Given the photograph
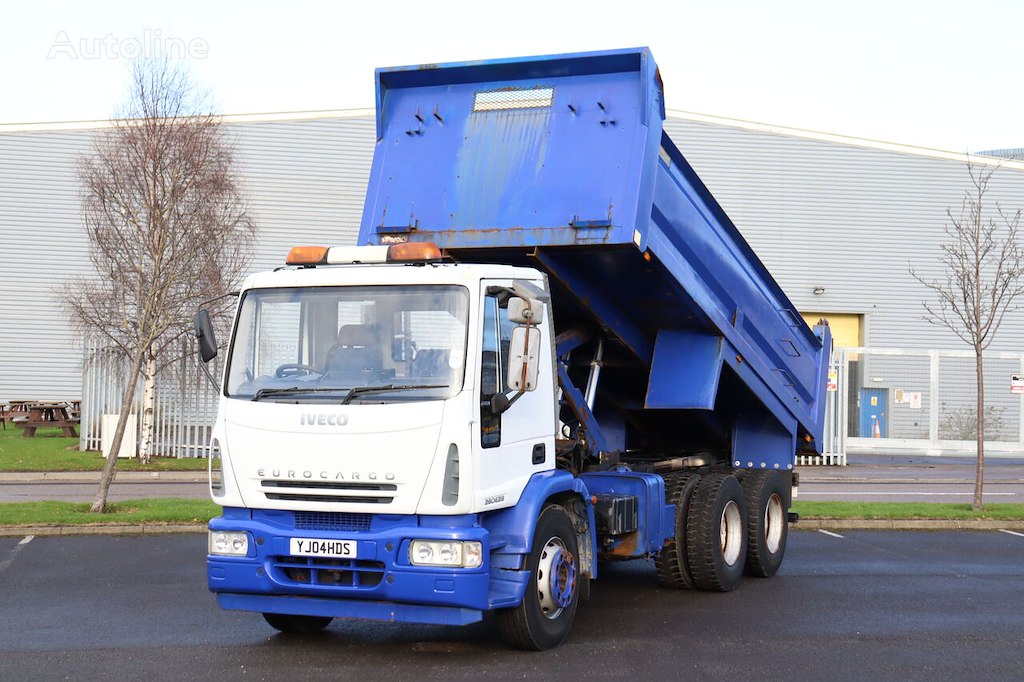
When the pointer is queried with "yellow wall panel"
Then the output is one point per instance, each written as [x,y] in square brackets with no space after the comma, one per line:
[845,327]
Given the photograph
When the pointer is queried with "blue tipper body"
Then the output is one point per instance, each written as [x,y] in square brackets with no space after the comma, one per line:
[561,163]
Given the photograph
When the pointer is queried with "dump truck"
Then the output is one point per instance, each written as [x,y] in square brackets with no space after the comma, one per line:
[549,349]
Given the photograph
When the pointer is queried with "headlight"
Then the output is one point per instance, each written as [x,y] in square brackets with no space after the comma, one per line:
[229,543]
[467,554]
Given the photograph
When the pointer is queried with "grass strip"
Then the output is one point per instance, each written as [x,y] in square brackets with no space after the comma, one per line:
[49,450]
[819,509]
[163,510]
[175,510]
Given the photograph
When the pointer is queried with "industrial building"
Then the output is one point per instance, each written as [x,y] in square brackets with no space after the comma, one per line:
[839,221]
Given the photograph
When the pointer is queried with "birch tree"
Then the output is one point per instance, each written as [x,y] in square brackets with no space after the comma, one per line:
[167,224]
[984,263]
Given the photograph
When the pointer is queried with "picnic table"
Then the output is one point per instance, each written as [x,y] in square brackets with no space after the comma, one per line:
[47,415]
[14,412]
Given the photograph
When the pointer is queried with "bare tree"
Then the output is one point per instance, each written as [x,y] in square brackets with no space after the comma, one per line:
[167,224]
[984,262]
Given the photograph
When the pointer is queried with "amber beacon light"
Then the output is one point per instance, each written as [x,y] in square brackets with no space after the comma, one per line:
[411,252]
[307,255]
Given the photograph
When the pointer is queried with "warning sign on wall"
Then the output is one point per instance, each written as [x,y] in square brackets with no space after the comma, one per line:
[1016,383]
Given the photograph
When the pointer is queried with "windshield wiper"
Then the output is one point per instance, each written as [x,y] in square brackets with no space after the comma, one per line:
[294,389]
[352,392]
[359,390]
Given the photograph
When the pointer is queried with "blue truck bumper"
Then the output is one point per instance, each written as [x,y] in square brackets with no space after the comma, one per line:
[340,608]
[378,583]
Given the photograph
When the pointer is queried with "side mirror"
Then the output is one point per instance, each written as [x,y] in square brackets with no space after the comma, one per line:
[204,335]
[523,310]
[524,351]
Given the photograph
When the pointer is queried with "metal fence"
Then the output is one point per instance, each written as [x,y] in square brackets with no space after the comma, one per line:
[185,402]
[901,401]
[880,400]
[833,449]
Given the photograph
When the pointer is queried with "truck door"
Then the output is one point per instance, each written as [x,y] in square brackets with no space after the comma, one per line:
[512,446]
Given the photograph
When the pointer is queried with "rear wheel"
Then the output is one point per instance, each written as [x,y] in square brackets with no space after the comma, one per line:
[302,624]
[671,562]
[545,616]
[768,526]
[716,528]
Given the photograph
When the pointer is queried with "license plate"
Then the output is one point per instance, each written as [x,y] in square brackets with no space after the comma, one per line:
[341,549]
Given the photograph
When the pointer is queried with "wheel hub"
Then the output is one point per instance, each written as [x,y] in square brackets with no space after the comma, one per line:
[556,578]
[731,530]
[774,523]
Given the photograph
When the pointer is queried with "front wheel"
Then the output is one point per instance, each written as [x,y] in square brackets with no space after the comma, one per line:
[545,616]
[301,624]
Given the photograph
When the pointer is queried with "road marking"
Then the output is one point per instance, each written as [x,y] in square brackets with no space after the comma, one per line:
[804,493]
[14,552]
[1011,532]
[828,532]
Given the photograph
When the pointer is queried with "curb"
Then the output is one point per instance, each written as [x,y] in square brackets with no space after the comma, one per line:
[907,524]
[805,524]
[903,481]
[97,529]
[94,477]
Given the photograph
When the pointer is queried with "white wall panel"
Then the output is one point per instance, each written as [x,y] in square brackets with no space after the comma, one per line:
[844,216]
[304,180]
[850,218]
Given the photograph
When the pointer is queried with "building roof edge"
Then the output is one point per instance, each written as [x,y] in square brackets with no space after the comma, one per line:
[773,129]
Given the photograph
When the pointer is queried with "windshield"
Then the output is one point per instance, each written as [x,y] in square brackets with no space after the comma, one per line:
[350,344]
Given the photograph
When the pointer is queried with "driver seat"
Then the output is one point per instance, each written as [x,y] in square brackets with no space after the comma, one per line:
[356,357]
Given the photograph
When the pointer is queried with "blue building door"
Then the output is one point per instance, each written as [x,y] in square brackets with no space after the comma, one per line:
[874,413]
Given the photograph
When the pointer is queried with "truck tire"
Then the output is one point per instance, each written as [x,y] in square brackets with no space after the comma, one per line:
[300,624]
[716,533]
[545,616]
[671,562]
[768,524]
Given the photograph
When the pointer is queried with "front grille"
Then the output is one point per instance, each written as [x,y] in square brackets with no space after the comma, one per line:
[332,521]
[308,491]
[330,485]
[352,499]
[341,573]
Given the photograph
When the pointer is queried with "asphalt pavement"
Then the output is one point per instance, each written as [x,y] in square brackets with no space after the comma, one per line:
[856,605]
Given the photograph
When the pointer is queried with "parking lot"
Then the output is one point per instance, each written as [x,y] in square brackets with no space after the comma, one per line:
[846,605]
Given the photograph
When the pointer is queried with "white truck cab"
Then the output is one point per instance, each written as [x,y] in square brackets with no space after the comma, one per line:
[378,413]
[366,388]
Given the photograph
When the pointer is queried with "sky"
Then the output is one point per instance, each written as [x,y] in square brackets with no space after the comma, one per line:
[940,74]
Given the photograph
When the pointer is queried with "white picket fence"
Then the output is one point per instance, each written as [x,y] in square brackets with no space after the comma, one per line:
[185,402]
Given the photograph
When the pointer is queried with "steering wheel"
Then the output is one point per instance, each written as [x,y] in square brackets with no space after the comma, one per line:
[293,369]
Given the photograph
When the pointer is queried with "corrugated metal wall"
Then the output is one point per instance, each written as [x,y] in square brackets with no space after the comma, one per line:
[820,213]
[851,219]
[41,245]
[305,181]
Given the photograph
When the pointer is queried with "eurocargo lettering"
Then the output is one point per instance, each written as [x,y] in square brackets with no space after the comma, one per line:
[550,348]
